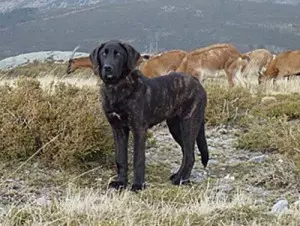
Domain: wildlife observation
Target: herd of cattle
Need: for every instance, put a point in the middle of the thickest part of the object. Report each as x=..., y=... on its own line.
x=207, y=62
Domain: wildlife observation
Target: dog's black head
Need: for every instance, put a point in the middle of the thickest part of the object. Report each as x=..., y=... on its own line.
x=114, y=60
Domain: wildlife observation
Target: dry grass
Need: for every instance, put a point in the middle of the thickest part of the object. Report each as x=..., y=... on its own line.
x=175, y=206
x=227, y=105
x=281, y=86
x=68, y=117
x=38, y=69
x=163, y=206
x=273, y=135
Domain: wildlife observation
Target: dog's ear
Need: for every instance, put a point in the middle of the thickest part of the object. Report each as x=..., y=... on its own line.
x=94, y=57
x=133, y=56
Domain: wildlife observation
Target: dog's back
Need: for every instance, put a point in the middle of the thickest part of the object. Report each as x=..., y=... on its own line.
x=174, y=94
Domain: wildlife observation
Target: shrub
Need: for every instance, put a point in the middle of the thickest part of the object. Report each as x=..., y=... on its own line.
x=285, y=105
x=273, y=135
x=227, y=105
x=69, y=118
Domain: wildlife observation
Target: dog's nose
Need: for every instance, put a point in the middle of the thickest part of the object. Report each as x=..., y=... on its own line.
x=107, y=68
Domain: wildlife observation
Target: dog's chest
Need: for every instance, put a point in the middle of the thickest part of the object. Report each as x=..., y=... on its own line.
x=117, y=117
x=115, y=114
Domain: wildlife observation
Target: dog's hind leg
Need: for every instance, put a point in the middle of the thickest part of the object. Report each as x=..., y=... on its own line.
x=174, y=128
x=202, y=144
x=185, y=134
x=189, y=131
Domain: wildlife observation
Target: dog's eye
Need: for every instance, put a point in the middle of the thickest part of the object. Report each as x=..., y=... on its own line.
x=105, y=52
x=117, y=54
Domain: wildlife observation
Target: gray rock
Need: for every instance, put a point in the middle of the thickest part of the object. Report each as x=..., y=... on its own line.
x=213, y=162
x=42, y=201
x=223, y=131
x=198, y=176
x=297, y=204
x=228, y=177
x=259, y=159
x=225, y=188
x=222, y=196
x=280, y=207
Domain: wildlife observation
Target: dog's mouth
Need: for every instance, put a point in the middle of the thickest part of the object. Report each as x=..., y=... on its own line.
x=109, y=76
x=110, y=79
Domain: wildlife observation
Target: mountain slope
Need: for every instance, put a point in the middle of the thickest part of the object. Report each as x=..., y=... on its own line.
x=152, y=25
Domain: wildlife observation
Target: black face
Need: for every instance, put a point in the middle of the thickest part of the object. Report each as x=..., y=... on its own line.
x=114, y=60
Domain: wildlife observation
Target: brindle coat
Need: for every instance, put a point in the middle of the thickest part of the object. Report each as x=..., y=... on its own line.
x=133, y=102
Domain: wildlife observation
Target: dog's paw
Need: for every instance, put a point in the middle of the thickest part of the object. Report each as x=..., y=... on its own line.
x=173, y=176
x=138, y=187
x=176, y=180
x=185, y=182
x=118, y=185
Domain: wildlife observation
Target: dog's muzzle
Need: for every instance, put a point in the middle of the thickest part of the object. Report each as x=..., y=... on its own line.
x=108, y=75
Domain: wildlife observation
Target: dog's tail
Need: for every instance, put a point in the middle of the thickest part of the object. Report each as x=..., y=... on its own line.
x=202, y=144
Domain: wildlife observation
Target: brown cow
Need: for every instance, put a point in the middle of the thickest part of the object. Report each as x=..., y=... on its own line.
x=211, y=59
x=285, y=64
x=257, y=62
x=80, y=62
x=163, y=63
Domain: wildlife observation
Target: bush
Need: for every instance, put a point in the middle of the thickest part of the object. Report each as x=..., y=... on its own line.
x=273, y=135
x=227, y=105
x=69, y=118
x=285, y=105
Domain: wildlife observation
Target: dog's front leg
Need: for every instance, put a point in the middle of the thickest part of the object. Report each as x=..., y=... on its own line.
x=121, y=157
x=139, y=159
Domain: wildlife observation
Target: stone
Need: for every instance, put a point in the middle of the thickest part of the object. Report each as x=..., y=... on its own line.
x=259, y=159
x=297, y=204
x=213, y=162
x=280, y=207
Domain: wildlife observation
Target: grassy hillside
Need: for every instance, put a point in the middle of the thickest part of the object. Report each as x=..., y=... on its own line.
x=56, y=157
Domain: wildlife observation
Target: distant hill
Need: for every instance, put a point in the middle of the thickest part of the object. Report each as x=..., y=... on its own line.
x=150, y=25
x=9, y=5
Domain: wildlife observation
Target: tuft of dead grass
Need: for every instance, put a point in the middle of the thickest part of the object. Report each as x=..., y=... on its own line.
x=273, y=135
x=88, y=207
x=284, y=106
x=168, y=206
x=227, y=105
x=42, y=69
x=30, y=117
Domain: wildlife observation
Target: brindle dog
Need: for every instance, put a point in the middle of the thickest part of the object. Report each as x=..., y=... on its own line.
x=132, y=102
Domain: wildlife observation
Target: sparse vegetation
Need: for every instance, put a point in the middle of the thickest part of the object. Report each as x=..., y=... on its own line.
x=65, y=182
x=38, y=69
x=282, y=106
x=273, y=135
